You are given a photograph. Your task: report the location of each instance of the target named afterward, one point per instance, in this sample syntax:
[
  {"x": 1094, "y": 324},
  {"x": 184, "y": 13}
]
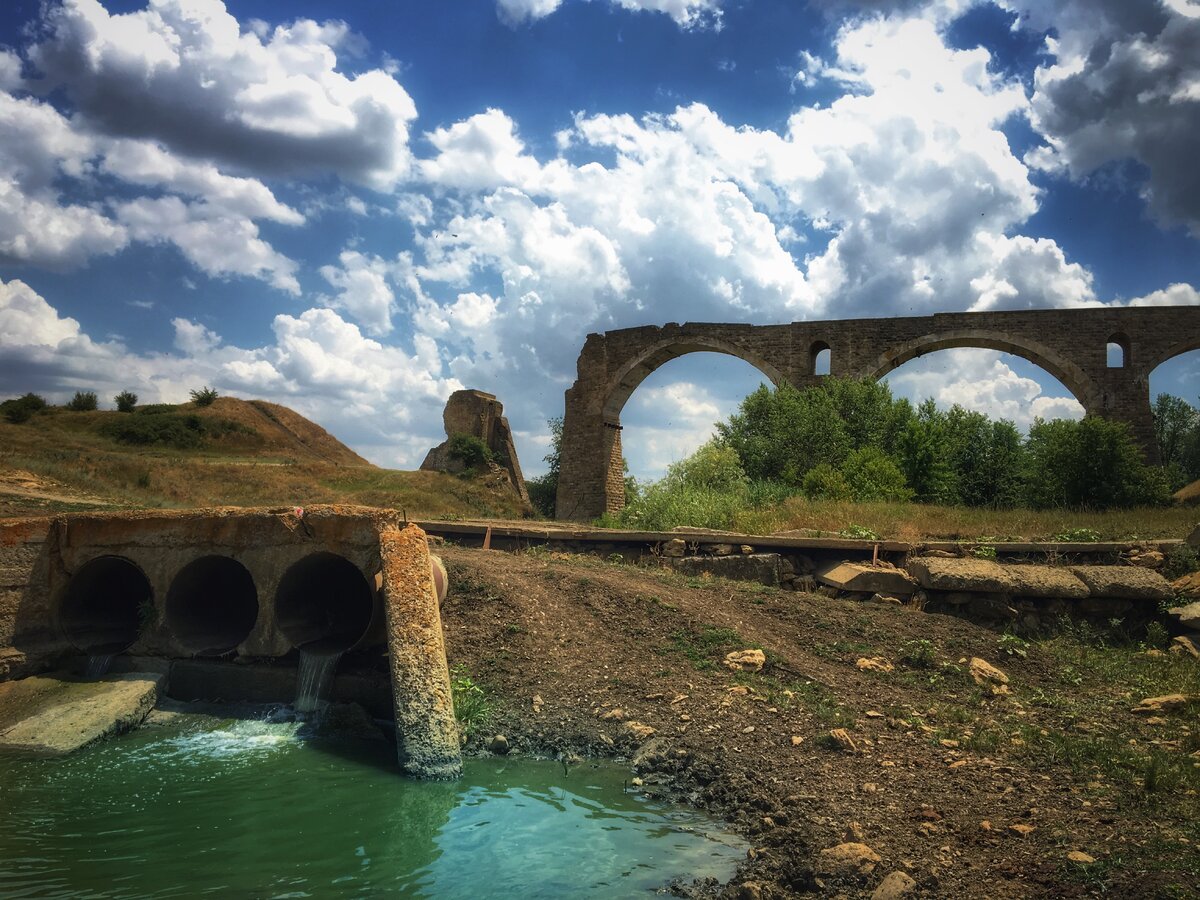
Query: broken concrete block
[
  {"x": 988, "y": 577},
  {"x": 865, "y": 579},
  {"x": 760, "y": 567},
  {"x": 79, "y": 713}
]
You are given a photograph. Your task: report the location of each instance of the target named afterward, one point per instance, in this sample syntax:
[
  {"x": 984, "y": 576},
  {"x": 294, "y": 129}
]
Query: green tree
[
  {"x": 922, "y": 453},
  {"x": 125, "y": 401},
  {"x": 83, "y": 401},
  {"x": 1093, "y": 463},
  {"x": 543, "y": 490}
]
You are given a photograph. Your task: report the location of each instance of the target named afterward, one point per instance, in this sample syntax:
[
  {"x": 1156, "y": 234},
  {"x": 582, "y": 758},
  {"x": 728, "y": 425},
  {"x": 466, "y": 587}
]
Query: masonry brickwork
[{"x": 1071, "y": 345}]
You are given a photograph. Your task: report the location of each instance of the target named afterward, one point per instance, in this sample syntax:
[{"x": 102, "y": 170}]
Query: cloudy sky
[{"x": 361, "y": 207}]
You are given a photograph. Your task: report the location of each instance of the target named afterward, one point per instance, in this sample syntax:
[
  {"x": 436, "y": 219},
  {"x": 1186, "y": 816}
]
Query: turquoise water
[{"x": 254, "y": 808}]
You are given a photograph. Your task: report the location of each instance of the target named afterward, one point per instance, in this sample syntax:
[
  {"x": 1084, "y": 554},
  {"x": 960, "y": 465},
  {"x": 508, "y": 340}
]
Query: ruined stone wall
[
  {"x": 480, "y": 415},
  {"x": 1070, "y": 344}
]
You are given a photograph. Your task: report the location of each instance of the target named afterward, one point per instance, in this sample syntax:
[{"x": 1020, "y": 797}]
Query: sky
[{"x": 356, "y": 209}]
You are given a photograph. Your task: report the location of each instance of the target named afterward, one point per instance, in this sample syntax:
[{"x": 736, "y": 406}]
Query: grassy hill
[{"x": 230, "y": 453}]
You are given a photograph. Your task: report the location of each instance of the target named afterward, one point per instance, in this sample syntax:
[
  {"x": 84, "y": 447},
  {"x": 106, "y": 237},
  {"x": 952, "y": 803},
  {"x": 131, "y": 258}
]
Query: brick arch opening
[
  {"x": 636, "y": 370},
  {"x": 1072, "y": 377}
]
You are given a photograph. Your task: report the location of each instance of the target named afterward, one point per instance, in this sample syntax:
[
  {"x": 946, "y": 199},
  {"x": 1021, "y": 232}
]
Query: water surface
[{"x": 257, "y": 808}]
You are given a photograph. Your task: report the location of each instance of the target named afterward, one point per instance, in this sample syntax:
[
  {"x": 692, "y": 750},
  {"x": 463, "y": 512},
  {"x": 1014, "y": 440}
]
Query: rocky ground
[{"x": 880, "y": 752}]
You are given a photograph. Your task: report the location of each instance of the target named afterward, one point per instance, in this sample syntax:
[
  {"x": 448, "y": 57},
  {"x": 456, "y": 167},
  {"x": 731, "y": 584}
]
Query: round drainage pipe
[
  {"x": 324, "y": 604},
  {"x": 104, "y": 605},
  {"x": 212, "y": 605}
]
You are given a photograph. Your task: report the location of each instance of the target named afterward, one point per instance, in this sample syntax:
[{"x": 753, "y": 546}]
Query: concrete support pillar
[{"x": 427, "y": 737}]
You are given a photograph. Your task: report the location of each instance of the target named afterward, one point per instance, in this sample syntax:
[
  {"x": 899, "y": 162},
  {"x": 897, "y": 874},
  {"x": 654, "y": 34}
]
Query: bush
[
  {"x": 824, "y": 482},
  {"x": 1181, "y": 560},
  {"x": 126, "y": 401},
  {"x": 83, "y": 401},
  {"x": 872, "y": 476},
  {"x": 206, "y": 396},
  {"x": 184, "y": 432},
  {"x": 470, "y": 451},
  {"x": 21, "y": 409}
]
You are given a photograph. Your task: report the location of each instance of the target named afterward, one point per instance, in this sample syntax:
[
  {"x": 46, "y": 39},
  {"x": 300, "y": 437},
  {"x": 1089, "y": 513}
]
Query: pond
[{"x": 261, "y": 807}]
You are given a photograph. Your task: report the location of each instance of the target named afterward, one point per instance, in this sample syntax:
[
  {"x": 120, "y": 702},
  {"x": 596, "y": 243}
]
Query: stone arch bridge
[{"x": 1071, "y": 345}]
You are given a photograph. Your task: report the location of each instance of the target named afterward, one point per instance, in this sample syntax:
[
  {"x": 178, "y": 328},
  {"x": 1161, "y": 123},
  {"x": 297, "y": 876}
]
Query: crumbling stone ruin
[{"x": 476, "y": 414}]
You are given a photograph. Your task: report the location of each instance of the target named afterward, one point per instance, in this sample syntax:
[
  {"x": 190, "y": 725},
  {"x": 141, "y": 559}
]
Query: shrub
[
  {"x": 872, "y": 475},
  {"x": 206, "y": 396},
  {"x": 184, "y": 432},
  {"x": 1181, "y": 560},
  {"x": 472, "y": 708},
  {"x": 469, "y": 450},
  {"x": 83, "y": 401},
  {"x": 824, "y": 482},
  {"x": 126, "y": 401},
  {"x": 21, "y": 409}
]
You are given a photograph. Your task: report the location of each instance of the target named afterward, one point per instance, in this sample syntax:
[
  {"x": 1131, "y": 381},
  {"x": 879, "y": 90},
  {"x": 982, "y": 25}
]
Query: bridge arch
[
  {"x": 1073, "y": 378},
  {"x": 1187, "y": 345},
  {"x": 621, "y": 387}
]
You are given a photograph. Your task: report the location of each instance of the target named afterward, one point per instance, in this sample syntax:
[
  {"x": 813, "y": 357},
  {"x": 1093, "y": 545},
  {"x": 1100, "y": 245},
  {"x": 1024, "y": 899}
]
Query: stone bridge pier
[{"x": 1072, "y": 345}]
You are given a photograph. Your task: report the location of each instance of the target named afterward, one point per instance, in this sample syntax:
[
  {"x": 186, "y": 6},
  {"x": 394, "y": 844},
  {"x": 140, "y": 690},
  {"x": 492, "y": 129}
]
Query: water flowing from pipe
[
  {"x": 313, "y": 679},
  {"x": 97, "y": 665}
]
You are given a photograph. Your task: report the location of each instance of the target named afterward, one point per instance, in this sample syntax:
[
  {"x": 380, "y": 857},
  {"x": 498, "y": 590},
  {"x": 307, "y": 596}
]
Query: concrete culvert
[
  {"x": 324, "y": 604},
  {"x": 212, "y": 605},
  {"x": 104, "y": 606}
]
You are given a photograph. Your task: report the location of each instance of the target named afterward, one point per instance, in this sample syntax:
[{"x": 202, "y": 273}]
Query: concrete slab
[
  {"x": 1125, "y": 582},
  {"x": 985, "y": 576},
  {"x": 848, "y": 576},
  {"x": 65, "y": 715}
]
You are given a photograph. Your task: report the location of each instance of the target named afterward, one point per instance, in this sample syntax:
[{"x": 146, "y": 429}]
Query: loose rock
[
  {"x": 897, "y": 884},
  {"x": 987, "y": 675},
  {"x": 874, "y": 664},
  {"x": 746, "y": 660},
  {"x": 851, "y": 858}
]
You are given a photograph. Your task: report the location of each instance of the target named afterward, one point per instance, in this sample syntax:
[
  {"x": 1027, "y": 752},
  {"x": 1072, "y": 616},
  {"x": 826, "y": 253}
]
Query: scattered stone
[
  {"x": 538, "y": 703},
  {"x": 886, "y": 600},
  {"x": 1187, "y": 616},
  {"x": 1022, "y": 829},
  {"x": 897, "y": 884},
  {"x": 1168, "y": 703},
  {"x": 746, "y": 660},
  {"x": 874, "y": 664},
  {"x": 675, "y": 547},
  {"x": 750, "y": 890},
  {"x": 873, "y": 714},
  {"x": 1187, "y": 643},
  {"x": 929, "y": 814},
  {"x": 948, "y": 743},
  {"x": 987, "y": 675},
  {"x": 848, "y": 859},
  {"x": 849, "y": 576},
  {"x": 939, "y": 554},
  {"x": 1125, "y": 583},
  {"x": 853, "y": 833},
  {"x": 499, "y": 745},
  {"x": 719, "y": 549},
  {"x": 844, "y": 741},
  {"x": 747, "y": 550},
  {"x": 1147, "y": 559},
  {"x": 639, "y": 730},
  {"x": 797, "y": 740},
  {"x": 616, "y": 714},
  {"x": 636, "y": 782},
  {"x": 1078, "y": 856},
  {"x": 1154, "y": 653}
]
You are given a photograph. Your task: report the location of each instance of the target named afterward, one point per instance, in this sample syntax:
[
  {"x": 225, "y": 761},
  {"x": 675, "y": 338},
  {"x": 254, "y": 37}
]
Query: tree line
[{"x": 852, "y": 440}]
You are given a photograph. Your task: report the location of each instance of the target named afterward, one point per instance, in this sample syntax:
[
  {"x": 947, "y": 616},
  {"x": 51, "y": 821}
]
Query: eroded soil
[{"x": 970, "y": 794}]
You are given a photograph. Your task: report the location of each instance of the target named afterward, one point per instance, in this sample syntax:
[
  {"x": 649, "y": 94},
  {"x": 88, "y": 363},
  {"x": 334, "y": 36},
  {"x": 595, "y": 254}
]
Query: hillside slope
[{"x": 233, "y": 452}]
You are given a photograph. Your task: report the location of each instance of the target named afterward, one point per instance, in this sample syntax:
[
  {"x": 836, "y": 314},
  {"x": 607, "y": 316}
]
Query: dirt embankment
[{"x": 966, "y": 793}]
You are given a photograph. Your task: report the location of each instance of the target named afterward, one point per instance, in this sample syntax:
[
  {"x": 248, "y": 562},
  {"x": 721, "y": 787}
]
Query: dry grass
[
  {"x": 913, "y": 521},
  {"x": 58, "y": 462}
]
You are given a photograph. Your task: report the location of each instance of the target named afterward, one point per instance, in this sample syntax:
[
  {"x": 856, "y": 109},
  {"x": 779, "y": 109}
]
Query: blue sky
[{"x": 359, "y": 208}]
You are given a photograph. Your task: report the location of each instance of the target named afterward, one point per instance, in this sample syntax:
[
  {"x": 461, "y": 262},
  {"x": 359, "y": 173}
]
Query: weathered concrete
[
  {"x": 1186, "y": 617},
  {"x": 1070, "y": 344},
  {"x": 847, "y": 576},
  {"x": 1126, "y": 582},
  {"x": 427, "y": 734},
  {"x": 985, "y": 576},
  {"x": 78, "y": 713},
  {"x": 479, "y": 415}
]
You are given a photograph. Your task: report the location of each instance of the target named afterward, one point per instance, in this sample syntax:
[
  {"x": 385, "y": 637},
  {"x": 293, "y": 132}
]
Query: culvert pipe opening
[
  {"x": 212, "y": 605},
  {"x": 104, "y": 606},
  {"x": 324, "y": 604}
]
